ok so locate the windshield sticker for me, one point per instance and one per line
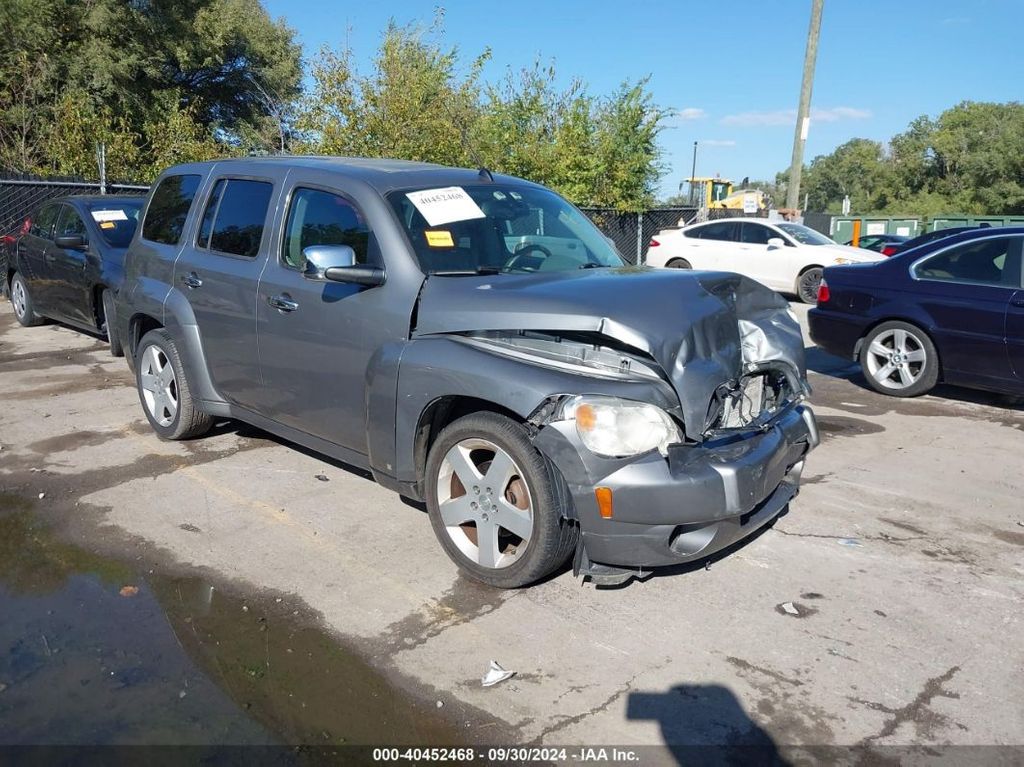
(108, 225)
(109, 215)
(443, 206)
(440, 238)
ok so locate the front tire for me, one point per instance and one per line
(164, 389)
(678, 263)
(492, 504)
(110, 325)
(899, 359)
(21, 301)
(807, 284)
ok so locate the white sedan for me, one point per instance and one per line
(786, 257)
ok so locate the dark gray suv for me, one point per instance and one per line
(476, 343)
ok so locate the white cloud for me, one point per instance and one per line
(788, 117)
(717, 142)
(691, 113)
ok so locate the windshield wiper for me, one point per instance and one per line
(593, 265)
(468, 272)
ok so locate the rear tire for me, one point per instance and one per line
(807, 284)
(470, 505)
(21, 300)
(899, 359)
(110, 325)
(678, 263)
(164, 389)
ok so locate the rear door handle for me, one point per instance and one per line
(283, 302)
(192, 280)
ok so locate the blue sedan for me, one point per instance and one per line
(951, 310)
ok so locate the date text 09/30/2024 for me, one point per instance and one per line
(506, 754)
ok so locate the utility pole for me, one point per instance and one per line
(803, 120)
(693, 171)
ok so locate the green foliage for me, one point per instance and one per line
(969, 160)
(215, 70)
(168, 81)
(417, 105)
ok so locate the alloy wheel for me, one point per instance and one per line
(159, 386)
(896, 359)
(18, 298)
(485, 503)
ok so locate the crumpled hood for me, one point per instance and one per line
(700, 327)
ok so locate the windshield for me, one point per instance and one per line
(498, 228)
(805, 235)
(117, 221)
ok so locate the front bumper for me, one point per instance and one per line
(699, 500)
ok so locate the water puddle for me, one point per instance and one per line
(95, 651)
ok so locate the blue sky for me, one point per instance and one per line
(730, 71)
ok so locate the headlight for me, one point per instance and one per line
(615, 428)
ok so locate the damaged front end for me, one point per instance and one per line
(653, 484)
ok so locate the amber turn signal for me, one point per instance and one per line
(604, 501)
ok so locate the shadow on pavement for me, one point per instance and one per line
(704, 724)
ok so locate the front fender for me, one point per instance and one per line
(436, 367)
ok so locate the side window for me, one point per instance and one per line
(755, 234)
(235, 216)
(70, 223)
(322, 218)
(168, 209)
(44, 222)
(990, 262)
(203, 240)
(725, 230)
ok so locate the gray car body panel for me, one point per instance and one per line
(357, 372)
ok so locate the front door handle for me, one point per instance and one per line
(283, 302)
(1017, 301)
(192, 280)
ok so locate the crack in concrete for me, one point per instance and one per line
(568, 721)
(917, 711)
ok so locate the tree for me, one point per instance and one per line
(968, 160)
(412, 106)
(417, 105)
(223, 63)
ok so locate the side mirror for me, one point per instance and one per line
(70, 242)
(337, 263)
(776, 242)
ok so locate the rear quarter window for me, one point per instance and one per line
(235, 216)
(168, 209)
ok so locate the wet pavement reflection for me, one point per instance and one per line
(93, 651)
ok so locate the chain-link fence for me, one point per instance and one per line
(632, 232)
(21, 195)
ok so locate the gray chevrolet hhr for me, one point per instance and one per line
(476, 343)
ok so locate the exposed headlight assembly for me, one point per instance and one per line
(617, 428)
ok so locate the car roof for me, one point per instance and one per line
(112, 199)
(966, 235)
(382, 174)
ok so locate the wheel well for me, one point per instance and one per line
(676, 259)
(444, 411)
(138, 327)
(809, 267)
(868, 330)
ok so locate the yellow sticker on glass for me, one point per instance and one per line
(440, 238)
(108, 225)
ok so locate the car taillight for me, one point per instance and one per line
(823, 294)
(654, 243)
(889, 250)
